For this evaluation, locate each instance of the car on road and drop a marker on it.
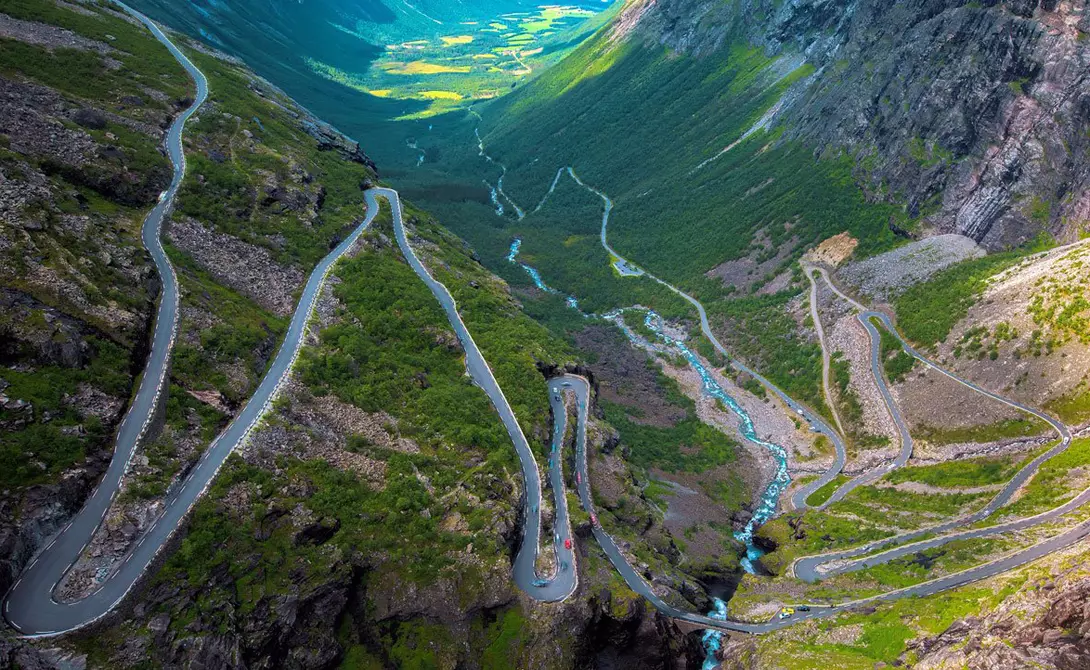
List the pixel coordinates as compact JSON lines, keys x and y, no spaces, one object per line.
{"x":556,"y":397}
{"x":803,"y":608}
{"x":593,"y":520}
{"x":567,"y":543}
{"x":578,"y":478}
{"x":540,"y":582}
{"x":533,"y":509}
{"x":566,"y":385}
{"x":787,"y":612}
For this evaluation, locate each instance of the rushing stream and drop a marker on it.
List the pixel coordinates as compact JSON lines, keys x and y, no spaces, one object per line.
{"x":769,"y":499}
{"x":713,"y":639}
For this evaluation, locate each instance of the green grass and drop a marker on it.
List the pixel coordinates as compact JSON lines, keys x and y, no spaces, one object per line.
{"x":689,"y":446}
{"x":1073,"y":408}
{"x":374,"y":361}
{"x":1048,"y":489}
{"x":42,"y":450}
{"x":926,"y":565}
{"x":928,"y":311}
{"x":231,"y":195}
{"x":1000,"y":430}
{"x":818,"y":497}
{"x":963,"y":473}
{"x":895,"y":360}
{"x":505,"y":637}
{"x":906,"y":510}
{"x":144,"y":61}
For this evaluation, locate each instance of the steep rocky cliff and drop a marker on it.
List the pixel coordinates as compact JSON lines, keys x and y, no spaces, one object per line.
{"x":971,"y":114}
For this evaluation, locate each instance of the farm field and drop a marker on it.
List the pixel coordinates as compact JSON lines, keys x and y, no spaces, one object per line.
{"x":470,"y":61}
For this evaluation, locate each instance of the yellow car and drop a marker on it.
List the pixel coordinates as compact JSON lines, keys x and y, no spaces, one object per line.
{"x":786,"y":612}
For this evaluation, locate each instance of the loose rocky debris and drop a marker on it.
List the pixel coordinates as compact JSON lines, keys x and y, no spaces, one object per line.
{"x":833,"y":251}
{"x":244,"y":267}
{"x":888,"y":275}
{"x":50,"y":37}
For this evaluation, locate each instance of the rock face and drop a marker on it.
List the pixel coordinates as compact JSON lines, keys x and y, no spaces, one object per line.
{"x":973,"y":113}
{"x":1054,"y":636}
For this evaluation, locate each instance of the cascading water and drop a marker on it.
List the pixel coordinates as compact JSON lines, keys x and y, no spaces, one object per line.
{"x":713,"y":639}
{"x":512,"y":256}
{"x":769,"y":500}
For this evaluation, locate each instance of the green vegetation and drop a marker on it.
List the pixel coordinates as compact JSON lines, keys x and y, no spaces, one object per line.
{"x":1057,"y":481}
{"x":850,"y":407}
{"x":1073,"y":408}
{"x":928,"y":311}
{"x":512,"y":344}
{"x":689,"y":446}
{"x":74,"y":329}
{"x":932,"y":563}
{"x":895,"y":360}
{"x":477,"y":62}
{"x":814,"y":533}
{"x":42,"y":450}
{"x":392,"y":329}
{"x":233,"y":177}
{"x":420,"y":380}
{"x":818,"y":497}
{"x":962,"y":473}
{"x":145,"y":62}
{"x":1000,"y":430}
{"x":761,"y":331}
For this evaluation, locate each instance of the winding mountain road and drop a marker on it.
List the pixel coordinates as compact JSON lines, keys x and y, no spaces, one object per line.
{"x":30,"y":606}
{"x":525,"y":571}
{"x":811,"y":568}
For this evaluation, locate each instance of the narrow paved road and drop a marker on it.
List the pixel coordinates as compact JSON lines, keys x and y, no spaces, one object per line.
{"x":30,"y":606}
{"x":826,"y":356}
{"x":816,"y":567}
{"x":525,"y":572}
{"x":639,"y":584}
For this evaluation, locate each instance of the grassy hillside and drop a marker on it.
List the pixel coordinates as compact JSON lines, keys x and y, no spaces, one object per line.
{"x":82,"y":116}
{"x":648,"y":127}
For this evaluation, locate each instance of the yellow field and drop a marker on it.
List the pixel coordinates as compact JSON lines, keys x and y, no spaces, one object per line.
{"x":441,"y":95}
{"x":424,"y":67}
{"x":456,"y":40}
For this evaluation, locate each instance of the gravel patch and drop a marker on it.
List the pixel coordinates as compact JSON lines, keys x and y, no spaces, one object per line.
{"x":886,"y":276}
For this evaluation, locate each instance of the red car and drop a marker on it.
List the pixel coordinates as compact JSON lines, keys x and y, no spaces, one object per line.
{"x":593,"y":520}
{"x":578,"y":478}
{"x":567,"y":543}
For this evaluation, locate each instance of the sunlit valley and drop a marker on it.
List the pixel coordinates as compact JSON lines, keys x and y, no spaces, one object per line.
{"x":507,"y":334}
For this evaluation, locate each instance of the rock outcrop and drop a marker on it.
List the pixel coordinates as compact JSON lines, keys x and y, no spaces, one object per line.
{"x":972,"y":114}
